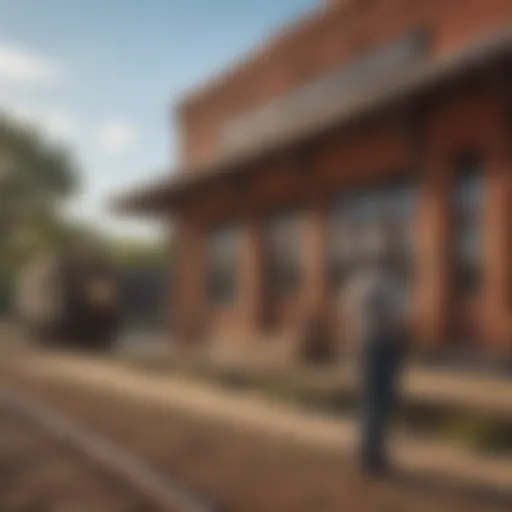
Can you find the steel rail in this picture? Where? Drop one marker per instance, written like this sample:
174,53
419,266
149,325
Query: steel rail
167,493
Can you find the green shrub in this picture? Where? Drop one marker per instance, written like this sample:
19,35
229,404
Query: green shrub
480,433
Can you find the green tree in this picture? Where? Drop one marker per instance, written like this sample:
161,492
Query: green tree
36,176
127,252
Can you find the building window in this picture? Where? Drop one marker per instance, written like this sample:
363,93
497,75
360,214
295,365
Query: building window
283,238
355,217
468,206
222,258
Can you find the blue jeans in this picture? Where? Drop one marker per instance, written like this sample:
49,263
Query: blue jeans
380,367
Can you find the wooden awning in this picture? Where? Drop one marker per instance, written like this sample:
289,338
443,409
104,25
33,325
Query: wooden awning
165,195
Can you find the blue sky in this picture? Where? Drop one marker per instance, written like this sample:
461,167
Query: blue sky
102,75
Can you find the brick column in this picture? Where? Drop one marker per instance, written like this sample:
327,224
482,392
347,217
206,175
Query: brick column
429,298
314,247
498,225
188,294
431,273
508,223
497,255
169,298
431,295
251,274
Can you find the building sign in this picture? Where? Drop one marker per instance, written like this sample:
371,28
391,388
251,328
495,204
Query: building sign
317,97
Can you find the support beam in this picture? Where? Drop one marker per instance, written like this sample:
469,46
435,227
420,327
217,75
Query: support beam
252,274
498,293
188,293
314,245
429,295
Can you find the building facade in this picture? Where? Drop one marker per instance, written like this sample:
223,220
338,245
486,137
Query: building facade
363,112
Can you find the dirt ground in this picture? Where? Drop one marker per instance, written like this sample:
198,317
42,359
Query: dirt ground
37,473
242,472
234,469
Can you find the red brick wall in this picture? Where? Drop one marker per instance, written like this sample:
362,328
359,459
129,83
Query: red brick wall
467,118
326,40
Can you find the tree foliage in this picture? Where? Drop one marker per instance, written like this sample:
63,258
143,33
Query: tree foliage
36,176
127,252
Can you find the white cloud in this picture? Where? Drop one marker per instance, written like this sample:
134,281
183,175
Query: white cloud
19,65
118,136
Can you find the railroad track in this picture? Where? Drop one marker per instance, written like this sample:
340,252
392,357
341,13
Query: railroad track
46,456
240,470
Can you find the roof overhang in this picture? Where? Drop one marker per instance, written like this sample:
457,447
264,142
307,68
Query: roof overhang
165,195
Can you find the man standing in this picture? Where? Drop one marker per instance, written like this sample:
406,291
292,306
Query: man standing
374,305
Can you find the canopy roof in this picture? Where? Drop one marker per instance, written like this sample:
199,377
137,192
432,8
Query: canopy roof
165,195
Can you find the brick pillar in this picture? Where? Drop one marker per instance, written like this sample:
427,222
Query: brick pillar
431,275
169,298
177,290
497,258
314,247
498,236
188,295
508,224
251,274
431,295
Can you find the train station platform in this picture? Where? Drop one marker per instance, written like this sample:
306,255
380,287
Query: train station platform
420,456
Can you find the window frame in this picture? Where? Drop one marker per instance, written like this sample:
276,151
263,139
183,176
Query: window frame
222,270
467,210
403,185
284,268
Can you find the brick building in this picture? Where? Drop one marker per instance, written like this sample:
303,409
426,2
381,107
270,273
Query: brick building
362,112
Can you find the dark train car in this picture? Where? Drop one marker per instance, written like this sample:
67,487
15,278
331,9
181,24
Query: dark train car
70,298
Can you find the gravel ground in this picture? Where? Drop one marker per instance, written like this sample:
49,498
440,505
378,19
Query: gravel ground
242,472
39,474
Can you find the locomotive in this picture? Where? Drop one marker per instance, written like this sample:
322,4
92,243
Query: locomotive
70,298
